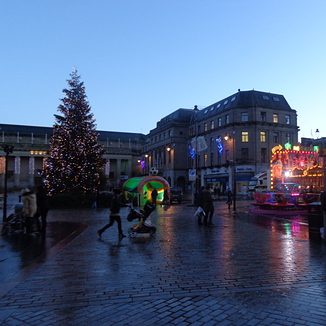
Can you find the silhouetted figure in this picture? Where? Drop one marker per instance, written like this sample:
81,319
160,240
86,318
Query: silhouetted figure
114,213
42,207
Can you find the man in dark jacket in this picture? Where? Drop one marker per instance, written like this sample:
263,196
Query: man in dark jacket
208,206
42,207
114,214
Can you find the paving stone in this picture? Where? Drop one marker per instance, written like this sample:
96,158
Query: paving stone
238,272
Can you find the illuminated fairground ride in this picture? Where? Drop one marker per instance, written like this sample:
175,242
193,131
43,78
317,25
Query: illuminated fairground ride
296,180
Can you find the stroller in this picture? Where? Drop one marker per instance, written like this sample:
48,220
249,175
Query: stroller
15,220
144,226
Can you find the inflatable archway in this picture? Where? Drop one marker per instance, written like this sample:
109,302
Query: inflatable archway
140,189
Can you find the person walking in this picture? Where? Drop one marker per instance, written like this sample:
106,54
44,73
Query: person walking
29,210
200,203
166,200
154,195
114,213
229,198
42,208
208,206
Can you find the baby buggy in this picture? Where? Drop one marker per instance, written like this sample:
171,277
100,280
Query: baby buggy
144,226
15,220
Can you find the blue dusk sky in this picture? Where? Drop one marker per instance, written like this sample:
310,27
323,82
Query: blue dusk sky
143,59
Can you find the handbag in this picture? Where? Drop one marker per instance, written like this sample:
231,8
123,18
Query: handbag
199,212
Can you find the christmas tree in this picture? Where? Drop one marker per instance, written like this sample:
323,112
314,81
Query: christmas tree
76,156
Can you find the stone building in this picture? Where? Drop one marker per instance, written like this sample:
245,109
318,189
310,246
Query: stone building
31,148
233,139
233,136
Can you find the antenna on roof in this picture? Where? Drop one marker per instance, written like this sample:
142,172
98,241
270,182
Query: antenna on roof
238,89
196,108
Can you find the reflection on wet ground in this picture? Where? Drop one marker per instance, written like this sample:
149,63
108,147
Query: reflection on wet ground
18,250
294,226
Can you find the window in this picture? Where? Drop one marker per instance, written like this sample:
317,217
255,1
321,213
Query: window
233,98
226,102
227,119
287,119
212,159
276,99
275,137
245,136
170,134
219,122
198,130
244,154
288,137
212,124
263,155
205,126
262,116
191,132
205,160
263,136
265,97
275,117
244,116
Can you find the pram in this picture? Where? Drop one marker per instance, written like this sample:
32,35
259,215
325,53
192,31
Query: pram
15,220
144,226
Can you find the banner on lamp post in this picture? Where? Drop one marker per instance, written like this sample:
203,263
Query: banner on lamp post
199,144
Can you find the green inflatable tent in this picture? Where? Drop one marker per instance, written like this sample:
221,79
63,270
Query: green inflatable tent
139,190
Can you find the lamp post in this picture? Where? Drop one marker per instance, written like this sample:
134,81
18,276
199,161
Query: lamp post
146,164
8,149
234,180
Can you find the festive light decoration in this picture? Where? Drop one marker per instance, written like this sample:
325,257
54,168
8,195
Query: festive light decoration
2,165
17,165
219,145
76,157
302,167
107,167
31,165
192,152
142,163
288,146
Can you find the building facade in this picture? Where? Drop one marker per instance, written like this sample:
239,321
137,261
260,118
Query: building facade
31,149
224,144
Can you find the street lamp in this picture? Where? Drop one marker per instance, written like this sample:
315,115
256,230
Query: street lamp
8,149
234,181
146,162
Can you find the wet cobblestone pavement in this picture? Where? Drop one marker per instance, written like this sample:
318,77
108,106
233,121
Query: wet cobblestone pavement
244,270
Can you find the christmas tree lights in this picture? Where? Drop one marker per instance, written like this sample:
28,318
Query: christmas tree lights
76,157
